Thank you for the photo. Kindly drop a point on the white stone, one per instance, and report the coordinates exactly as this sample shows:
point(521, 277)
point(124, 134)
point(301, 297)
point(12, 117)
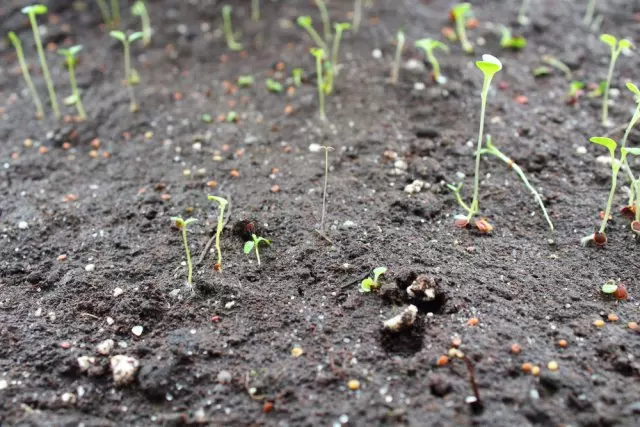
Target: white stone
point(581, 150)
point(137, 330)
point(377, 53)
point(124, 369)
point(117, 292)
point(68, 398)
point(230, 304)
point(419, 86)
point(90, 267)
point(315, 148)
point(105, 347)
point(85, 362)
point(414, 187)
point(22, 225)
point(3, 384)
point(605, 160)
point(110, 321)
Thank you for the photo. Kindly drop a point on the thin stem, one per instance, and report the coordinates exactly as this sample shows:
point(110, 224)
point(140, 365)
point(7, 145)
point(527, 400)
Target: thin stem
point(395, 71)
point(232, 44)
point(612, 192)
point(75, 91)
point(115, 12)
point(256, 244)
point(588, 16)
point(326, 181)
point(255, 10)
point(357, 15)
point(605, 100)
point(630, 126)
point(334, 50)
point(324, 15)
point(476, 181)
point(53, 98)
point(146, 27)
point(460, 201)
point(522, 12)
point(435, 65)
point(320, 87)
point(219, 232)
point(127, 75)
point(462, 34)
point(186, 249)
point(637, 186)
point(104, 10)
point(27, 76)
point(316, 38)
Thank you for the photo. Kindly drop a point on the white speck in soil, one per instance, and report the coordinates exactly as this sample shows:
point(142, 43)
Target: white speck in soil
point(105, 347)
point(124, 369)
point(117, 292)
point(137, 330)
point(224, 377)
point(89, 267)
point(22, 225)
point(3, 384)
point(377, 53)
point(230, 304)
point(110, 321)
point(419, 86)
point(85, 362)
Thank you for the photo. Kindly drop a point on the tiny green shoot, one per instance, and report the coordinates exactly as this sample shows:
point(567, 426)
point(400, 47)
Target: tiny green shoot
point(222, 204)
point(460, 13)
point(70, 61)
point(319, 55)
point(182, 225)
point(634, 120)
point(206, 118)
point(273, 85)
point(508, 41)
point(429, 46)
point(130, 75)
point(306, 23)
point(575, 92)
point(588, 16)
point(395, 70)
point(245, 81)
point(27, 76)
point(326, 181)
point(253, 245)
point(139, 8)
point(556, 63)
point(372, 282)
point(232, 117)
point(326, 22)
point(609, 287)
point(255, 10)
point(617, 46)
point(32, 12)
point(104, 10)
point(296, 74)
point(115, 13)
point(229, 35)
point(522, 13)
point(541, 71)
point(598, 90)
point(340, 27)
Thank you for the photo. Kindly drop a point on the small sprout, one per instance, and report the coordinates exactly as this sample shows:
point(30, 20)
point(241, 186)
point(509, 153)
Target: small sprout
point(206, 118)
point(319, 55)
point(26, 75)
point(32, 12)
point(635, 183)
point(229, 35)
point(588, 16)
point(609, 287)
point(182, 225)
point(372, 283)
point(326, 181)
point(296, 74)
point(541, 71)
point(617, 46)
point(70, 60)
point(306, 23)
point(104, 10)
point(429, 46)
point(324, 15)
point(273, 85)
point(139, 8)
point(340, 27)
point(508, 41)
point(575, 92)
point(597, 90)
point(131, 76)
point(556, 63)
point(245, 81)
point(255, 10)
point(222, 204)
point(395, 71)
point(460, 13)
point(522, 13)
point(232, 117)
point(253, 245)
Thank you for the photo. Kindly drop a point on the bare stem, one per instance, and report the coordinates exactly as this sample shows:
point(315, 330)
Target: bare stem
point(27, 76)
point(326, 180)
point(53, 98)
point(186, 249)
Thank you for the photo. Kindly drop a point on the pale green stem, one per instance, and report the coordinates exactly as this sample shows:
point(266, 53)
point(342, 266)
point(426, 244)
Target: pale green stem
point(357, 15)
point(146, 27)
point(186, 248)
point(630, 126)
point(255, 10)
point(605, 100)
point(316, 37)
point(320, 87)
point(476, 180)
point(612, 192)
point(53, 98)
point(326, 22)
point(588, 16)
point(460, 201)
point(27, 77)
point(104, 10)
point(75, 91)
point(395, 71)
point(435, 65)
point(232, 44)
point(335, 49)
point(115, 12)
point(326, 181)
point(127, 75)
point(219, 232)
point(462, 34)
point(637, 186)
point(256, 244)
point(522, 13)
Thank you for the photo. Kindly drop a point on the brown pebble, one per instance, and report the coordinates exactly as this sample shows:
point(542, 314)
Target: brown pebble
point(515, 348)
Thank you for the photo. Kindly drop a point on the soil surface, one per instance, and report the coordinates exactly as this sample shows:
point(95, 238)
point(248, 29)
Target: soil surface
point(88, 252)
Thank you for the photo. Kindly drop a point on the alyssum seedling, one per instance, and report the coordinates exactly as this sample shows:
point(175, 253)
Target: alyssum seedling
point(140, 9)
point(395, 71)
point(222, 204)
point(319, 54)
point(70, 62)
point(508, 41)
point(617, 46)
point(324, 15)
point(372, 282)
point(32, 12)
point(460, 13)
point(429, 46)
point(26, 75)
point(306, 23)
point(130, 75)
point(633, 192)
point(182, 225)
point(229, 35)
point(253, 245)
point(489, 66)
point(331, 67)
point(326, 182)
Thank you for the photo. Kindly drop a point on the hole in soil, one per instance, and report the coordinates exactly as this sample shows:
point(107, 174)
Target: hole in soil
point(404, 343)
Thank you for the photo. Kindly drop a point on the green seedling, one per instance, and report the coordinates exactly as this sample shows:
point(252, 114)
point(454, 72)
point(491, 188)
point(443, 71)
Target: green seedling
point(556, 63)
point(508, 41)
point(131, 76)
point(70, 61)
point(306, 23)
point(326, 22)
point(32, 12)
point(104, 10)
point(609, 287)
point(598, 90)
point(617, 46)
point(634, 120)
point(26, 75)
point(232, 117)
point(206, 118)
point(326, 182)
point(140, 9)
point(541, 71)
point(489, 66)
point(182, 225)
point(395, 70)
point(255, 10)
point(253, 245)
point(522, 13)
point(229, 35)
point(429, 46)
point(273, 85)
point(492, 150)
point(575, 92)
point(340, 27)
point(222, 204)
point(319, 55)
point(588, 15)
point(460, 13)
point(357, 15)
point(245, 81)
point(372, 282)
point(115, 13)
point(296, 74)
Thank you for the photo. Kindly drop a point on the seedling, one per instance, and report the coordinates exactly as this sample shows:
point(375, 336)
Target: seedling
point(306, 23)
point(522, 13)
point(245, 81)
point(489, 66)
point(541, 71)
point(26, 75)
point(372, 282)
point(634, 120)
point(232, 117)
point(255, 10)
point(429, 46)
point(115, 13)
point(222, 204)
point(588, 16)
point(182, 225)
point(460, 13)
point(395, 71)
point(130, 75)
point(575, 92)
point(599, 237)
point(253, 245)
point(140, 9)
point(273, 85)
point(324, 15)
point(104, 10)
point(556, 63)
point(508, 41)
point(340, 27)
point(617, 46)
point(597, 90)
point(232, 44)
point(32, 12)
point(70, 61)
point(296, 74)
point(319, 54)
point(357, 15)
point(326, 181)
point(494, 151)
point(613, 289)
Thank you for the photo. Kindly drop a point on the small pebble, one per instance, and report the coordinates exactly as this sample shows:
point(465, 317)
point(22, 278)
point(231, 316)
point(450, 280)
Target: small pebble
point(515, 348)
point(535, 370)
point(3, 384)
point(137, 330)
point(297, 351)
point(68, 398)
point(353, 385)
point(117, 292)
point(598, 323)
point(22, 225)
point(90, 267)
point(105, 347)
point(633, 326)
point(377, 53)
point(224, 377)
point(552, 365)
point(124, 369)
point(581, 150)
point(110, 321)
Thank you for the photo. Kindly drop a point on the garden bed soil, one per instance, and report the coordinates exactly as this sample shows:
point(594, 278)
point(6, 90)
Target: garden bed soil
point(96, 218)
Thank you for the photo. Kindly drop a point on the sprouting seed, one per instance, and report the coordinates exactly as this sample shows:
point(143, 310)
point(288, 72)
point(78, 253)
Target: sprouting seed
point(245, 81)
point(429, 46)
point(296, 75)
point(319, 55)
point(508, 41)
point(131, 76)
point(70, 62)
point(306, 23)
point(617, 46)
point(395, 70)
point(253, 245)
point(27, 76)
point(460, 13)
point(139, 8)
point(182, 225)
point(273, 85)
point(372, 283)
point(222, 204)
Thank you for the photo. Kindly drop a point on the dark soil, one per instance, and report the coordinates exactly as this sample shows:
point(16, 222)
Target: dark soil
point(223, 356)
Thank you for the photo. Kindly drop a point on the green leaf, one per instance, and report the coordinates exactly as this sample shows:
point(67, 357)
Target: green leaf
point(232, 116)
point(118, 35)
point(460, 10)
point(366, 284)
point(74, 50)
point(576, 85)
point(633, 88)
point(605, 142)
point(489, 65)
point(273, 86)
point(341, 26)
point(304, 21)
point(206, 118)
point(179, 222)
point(609, 287)
point(70, 100)
point(135, 36)
point(317, 52)
point(248, 246)
point(245, 81)
point(635, 151)
point(608, 39)
point(35, 9)
point(219, 200)
point(625, 44)
point(377, 272)
point(429, 44)
point(138, 8)
point(190, 221)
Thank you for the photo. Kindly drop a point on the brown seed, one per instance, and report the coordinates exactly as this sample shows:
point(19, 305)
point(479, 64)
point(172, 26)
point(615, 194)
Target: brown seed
point(515, 348)
point(95, 143)
point(62, 257)
point(234, 173)
point(268, 407)
point(535, 371)
point(442, 360)
point(633, 326)
point(483, 226)
point(275, 188)
point(43, 149)
point(93, 154)
point(552, 365)
point(472, 23)
point(353, 385)
point(212, 184)
point(612, 317)
point(621, 292)
point(562, 343)
point(526, 367)
point(165, 197)
point(291, 90)
point(521, 99)
point(66, 145)
point(288, 109)
point(473, 321)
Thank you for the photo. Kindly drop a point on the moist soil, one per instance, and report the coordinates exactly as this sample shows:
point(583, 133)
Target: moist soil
point(80, 221)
